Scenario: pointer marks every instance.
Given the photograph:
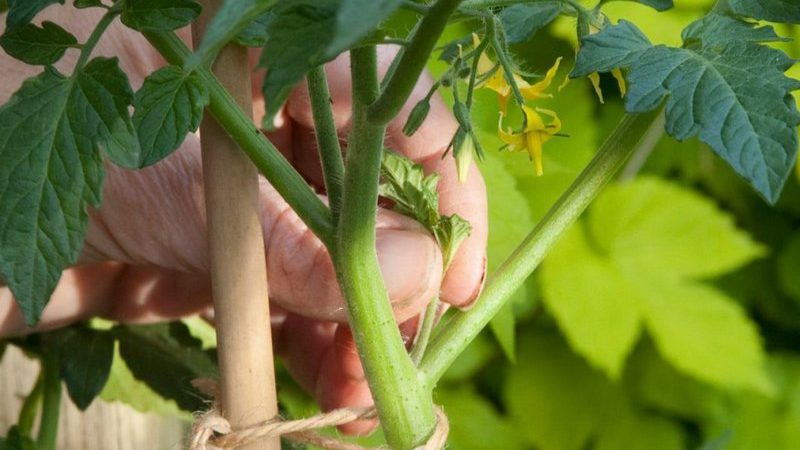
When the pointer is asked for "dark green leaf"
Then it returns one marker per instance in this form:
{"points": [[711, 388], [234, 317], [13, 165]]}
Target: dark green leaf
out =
{"points": [[522, 21], [298, 38], [21, 12], [80, 4], [16, 441], [85, 357], [732, 93], [159, 15], [232, 18], [38, 46], [51, 169], [658, 5], [355, 19], [167, 357], [781, 11], [718, 30], [168, 106], [256, 33]]}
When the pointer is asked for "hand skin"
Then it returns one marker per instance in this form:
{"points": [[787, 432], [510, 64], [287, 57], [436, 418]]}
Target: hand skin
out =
{"points": [[145, 257]]}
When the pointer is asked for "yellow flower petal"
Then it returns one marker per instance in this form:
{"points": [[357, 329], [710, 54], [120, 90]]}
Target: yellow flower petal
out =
{"points": [[534, 143], [623, 88], [510, 138], [536, 90], [555, 125], [594, 77]]}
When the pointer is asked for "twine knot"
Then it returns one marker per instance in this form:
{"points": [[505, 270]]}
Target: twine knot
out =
{"points": [[211, 431]]}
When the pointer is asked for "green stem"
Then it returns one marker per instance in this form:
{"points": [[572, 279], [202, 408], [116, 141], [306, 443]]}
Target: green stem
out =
{"points": [[456, 335], [412, 62], [330, 152], [97, 33], [269, 161], [424, 333], [51, 403], [27, 415], [405, 407]]}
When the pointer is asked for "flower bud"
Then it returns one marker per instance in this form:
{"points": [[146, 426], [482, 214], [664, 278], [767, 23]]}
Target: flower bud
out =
{"points": [[416, 117], [463, 148]]}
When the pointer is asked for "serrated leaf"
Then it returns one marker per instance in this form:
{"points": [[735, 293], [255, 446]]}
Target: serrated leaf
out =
{"points": [[781, 11], [299, 37], [522, 21], [85, 357], [256, 33], [733, 94], [231, 19], [730, 351], [658, 5], [413, 192], [123, 387], [602, 291], [355, 19], [159, 15], [51, 133], [450, 232], [21, 12], [38, 45], [715, 29], [167, 357], [168, 106]]}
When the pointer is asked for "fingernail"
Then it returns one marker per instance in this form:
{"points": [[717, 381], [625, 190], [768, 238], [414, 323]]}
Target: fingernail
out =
{"points": [[410, 264], [475, 294]]}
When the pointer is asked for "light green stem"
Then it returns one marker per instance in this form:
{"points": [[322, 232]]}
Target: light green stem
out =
{"points": [[97, 33], [412, 62], [452, 338], [240, 127], [425, 330], [405, 407], [51, 403], [330, 152], [27, 415]]}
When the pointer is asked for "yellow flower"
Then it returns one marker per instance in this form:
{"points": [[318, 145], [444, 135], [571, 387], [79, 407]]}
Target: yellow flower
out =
{"points": [[594, 78], [533, 137], [498, 82]]}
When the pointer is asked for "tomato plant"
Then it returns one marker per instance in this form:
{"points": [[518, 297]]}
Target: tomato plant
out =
{"points": [[643, 259]]}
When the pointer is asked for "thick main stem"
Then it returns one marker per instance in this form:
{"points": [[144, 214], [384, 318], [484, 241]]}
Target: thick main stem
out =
{"points": [[51, 402], [238, 264], [405, 407], [457, 334]]}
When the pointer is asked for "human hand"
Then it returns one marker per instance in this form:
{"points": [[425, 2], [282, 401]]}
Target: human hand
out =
{"points": [[145, 256]]}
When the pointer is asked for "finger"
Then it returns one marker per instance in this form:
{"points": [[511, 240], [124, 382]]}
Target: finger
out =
{"points": [[464, 279], [113, 291]]}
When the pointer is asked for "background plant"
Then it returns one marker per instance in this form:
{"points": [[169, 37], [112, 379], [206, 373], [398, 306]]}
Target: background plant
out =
{"points": [[713, 324]]}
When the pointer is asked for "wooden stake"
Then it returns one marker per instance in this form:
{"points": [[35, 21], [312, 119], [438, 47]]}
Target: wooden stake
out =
{"points": [[238, 264]]}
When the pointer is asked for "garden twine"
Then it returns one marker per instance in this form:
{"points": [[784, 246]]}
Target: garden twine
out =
{"points": [[211, 431]]}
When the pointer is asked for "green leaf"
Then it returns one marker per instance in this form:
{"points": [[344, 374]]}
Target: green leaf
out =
{"points": [[450, 232], [788, 268], [256, 33], [733, 93], [38, 46], [168, 106], [522, 21], [473, 418], [85, 357], [80, 4], [298, 38], [234, 17], [123, 387], [16, 441], [21, 12], [51, 133], [635, 264], [715, 29], [730, 354], [355, 19], [781, 11], [658, 5], [159, 15], [167, 357], [413, 192]]}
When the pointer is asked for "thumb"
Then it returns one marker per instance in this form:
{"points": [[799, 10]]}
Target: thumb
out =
{"points": [[302, 278]]}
